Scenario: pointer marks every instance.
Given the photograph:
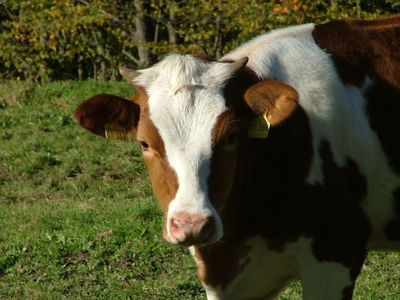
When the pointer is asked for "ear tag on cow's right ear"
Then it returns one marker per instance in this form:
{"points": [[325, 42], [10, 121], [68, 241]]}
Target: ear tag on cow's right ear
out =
{"points": [[259, 128], [114, 132]]}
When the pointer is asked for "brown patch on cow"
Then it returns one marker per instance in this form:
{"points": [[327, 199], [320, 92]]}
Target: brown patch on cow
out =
{"points": [[387, 21], [220, 263], [225, 125], [141, 97], [339, 227], [225, 136], [363, 48], [104, 109], [162, 176]]}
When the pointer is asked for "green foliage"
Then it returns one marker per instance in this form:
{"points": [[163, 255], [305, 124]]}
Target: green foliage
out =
{"points": [[57, 39], [53, 39]]}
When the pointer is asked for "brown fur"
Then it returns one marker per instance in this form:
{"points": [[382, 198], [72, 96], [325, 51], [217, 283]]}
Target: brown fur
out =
{"points": [[374, 48], [224, 137], [276, 98], [220, 263], [103, 109]]}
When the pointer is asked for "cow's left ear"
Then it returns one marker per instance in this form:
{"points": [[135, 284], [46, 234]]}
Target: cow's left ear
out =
{"points": [[109, 116], [277, 99]]}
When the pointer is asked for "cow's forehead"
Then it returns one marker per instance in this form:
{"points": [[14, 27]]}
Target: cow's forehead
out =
{"points": [[185, 99], [176, 70]]}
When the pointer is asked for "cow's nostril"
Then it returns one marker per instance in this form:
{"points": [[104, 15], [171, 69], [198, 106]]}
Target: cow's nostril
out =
{"points": [[192, 229], [207, 230], [178, 223]]}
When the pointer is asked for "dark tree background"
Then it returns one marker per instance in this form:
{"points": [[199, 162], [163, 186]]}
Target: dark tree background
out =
{"points": [[43, 40]]}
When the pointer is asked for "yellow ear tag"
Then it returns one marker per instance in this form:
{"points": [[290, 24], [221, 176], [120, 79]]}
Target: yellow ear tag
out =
{"points": [[114, 132], [259, 128]]}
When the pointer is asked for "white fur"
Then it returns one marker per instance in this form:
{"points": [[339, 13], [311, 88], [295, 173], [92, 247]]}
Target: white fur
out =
{"points": [[185, 99]]}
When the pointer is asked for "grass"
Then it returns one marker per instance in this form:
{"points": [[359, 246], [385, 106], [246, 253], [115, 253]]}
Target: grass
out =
{"points": [[77, 216]]}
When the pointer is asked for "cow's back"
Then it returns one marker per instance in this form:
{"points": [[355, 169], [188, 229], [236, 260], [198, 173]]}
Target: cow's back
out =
{"points": [[361, 48]]}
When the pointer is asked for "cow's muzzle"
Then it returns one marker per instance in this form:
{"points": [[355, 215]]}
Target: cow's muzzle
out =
{"points": [[192, 229]]}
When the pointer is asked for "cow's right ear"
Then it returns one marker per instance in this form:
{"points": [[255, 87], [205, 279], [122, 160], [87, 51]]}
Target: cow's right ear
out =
{"points": [[109, 116]]}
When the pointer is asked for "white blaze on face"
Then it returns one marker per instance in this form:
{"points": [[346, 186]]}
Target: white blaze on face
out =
{"points": [[185, 100]]}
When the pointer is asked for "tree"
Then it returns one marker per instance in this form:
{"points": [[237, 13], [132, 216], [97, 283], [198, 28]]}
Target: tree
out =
{"points": [[54, 39]]}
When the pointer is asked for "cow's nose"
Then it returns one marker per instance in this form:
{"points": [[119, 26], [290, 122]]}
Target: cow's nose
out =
{"points": [[192, 229]]}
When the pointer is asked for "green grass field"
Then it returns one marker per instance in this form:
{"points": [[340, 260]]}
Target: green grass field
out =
{"points": [[77, 216]]}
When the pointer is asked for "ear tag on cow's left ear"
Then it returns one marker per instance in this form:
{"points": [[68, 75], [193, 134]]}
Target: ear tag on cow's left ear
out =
{"points": [[114, 132], [259, 128]]}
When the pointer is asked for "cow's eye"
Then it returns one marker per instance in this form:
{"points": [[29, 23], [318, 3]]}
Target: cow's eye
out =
{"points": [[232, 139], [144, 145]]}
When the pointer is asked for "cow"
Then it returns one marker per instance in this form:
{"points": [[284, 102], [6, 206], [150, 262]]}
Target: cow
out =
{"points": [[280, 161]]}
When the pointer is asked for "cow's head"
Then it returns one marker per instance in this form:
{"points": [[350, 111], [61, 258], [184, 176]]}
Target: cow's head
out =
{"points": [[189, 130]]}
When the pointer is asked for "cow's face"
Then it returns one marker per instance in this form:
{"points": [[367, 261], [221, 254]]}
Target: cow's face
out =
{"points": [[188, 132]]}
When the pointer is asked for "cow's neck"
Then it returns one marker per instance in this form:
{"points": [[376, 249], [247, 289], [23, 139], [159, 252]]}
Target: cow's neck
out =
{"points": [[260, 204], [266, 168]]}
